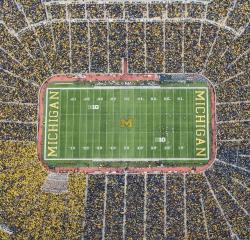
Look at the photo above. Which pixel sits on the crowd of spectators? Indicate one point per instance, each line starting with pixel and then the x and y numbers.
pixel 157 206
pixel 28 211
pixel 39 39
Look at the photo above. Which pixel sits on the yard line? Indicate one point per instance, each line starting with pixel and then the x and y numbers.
pixel 79 132
pixel 100 147
pixel 106 135
pixel 86 124
pixel 124 207
pixel 104 208
pixel 66 124
pixel 93 124
pixel 180 144
pixel 145 207
pixel 73 125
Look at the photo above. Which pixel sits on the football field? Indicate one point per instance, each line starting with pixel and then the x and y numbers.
pixel 135 123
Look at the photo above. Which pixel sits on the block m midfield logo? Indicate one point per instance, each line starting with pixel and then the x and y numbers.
pixel 128 123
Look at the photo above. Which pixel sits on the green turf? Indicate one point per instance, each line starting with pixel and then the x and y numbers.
pixel 96 134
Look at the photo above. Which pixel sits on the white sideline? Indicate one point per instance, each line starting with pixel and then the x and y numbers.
pixel 118 158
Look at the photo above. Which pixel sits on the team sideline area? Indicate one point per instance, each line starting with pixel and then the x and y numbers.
pixel 88 125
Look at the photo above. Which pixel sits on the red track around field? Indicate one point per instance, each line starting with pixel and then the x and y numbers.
pixel 125 76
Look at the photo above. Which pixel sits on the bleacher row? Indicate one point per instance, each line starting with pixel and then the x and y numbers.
pixel 42 38
pixel 214 10
pixel 168 206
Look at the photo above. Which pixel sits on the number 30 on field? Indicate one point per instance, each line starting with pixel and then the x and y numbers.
pixel 160 139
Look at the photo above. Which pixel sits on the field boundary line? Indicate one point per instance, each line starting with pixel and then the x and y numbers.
pixel 123 87
pixel 127 159
pixel 132 159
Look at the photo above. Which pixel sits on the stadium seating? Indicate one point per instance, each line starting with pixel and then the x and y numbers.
pixel 42 38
